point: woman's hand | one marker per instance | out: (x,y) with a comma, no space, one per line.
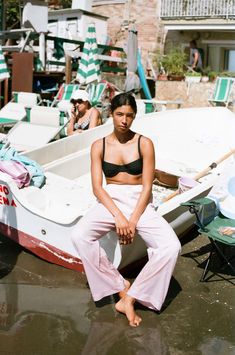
(132,227)
(78,131)
(123,229)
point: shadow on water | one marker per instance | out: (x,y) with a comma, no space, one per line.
(218,268)
(9,252)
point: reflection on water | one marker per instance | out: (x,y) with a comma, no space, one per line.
(48,310)
(116,337)
(216,346)
(41,320)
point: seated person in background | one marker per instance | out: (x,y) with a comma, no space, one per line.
(83,116)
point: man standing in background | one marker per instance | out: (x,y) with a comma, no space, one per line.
(195,56)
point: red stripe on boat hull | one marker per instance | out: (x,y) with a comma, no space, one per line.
(42,249)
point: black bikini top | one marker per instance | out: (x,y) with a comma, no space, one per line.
(133,168)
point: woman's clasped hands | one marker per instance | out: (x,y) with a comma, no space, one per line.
(125,229)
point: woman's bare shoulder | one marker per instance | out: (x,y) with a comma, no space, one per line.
(94,111)
(97,144)
(145,140)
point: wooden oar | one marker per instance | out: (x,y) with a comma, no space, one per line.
(204,172)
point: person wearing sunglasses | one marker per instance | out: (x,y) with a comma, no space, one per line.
(83,116)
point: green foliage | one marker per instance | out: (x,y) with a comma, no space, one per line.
(212,75)
(174,61)
(206,71)
(12,8)
(65,4)
(13,11)
(227,74)
(192,73)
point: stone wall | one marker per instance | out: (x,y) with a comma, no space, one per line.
(193,94)
(145,16)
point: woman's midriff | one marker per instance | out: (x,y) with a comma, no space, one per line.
(125,179)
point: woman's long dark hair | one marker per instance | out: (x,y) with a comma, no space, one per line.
(123,99)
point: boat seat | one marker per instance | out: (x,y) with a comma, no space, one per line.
(35,197)
(60,200)
(68,199)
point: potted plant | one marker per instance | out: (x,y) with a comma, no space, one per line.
(158,59)
(212,75)
(193,77)
(174,63)
(205,74)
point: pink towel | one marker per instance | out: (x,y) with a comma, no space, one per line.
(17,171)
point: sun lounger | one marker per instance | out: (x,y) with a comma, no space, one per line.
(18,108)
(27,99)
(43,127)
(11,113)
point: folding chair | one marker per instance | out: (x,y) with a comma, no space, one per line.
(210,222)
(96,93)
(62,99)
(221,95)
(101,95)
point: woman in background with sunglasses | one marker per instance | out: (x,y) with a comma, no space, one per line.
(83,116)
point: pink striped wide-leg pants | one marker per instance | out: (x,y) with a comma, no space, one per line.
(163,247)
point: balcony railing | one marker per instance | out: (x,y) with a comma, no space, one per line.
(182,9)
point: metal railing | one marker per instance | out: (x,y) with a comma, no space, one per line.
(180,9)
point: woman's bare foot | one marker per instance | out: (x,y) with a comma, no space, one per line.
(123,292)
(126,306)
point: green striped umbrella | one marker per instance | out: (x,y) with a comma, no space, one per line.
(89,66)
(4,74)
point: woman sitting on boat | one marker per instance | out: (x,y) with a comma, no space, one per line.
(83,116)
(127,160)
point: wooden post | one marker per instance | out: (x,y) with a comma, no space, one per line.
(6,91)
(42,49)
(68,69)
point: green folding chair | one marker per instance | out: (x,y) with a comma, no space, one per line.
(100,95)
(63,97)
(96,93)
(221,95)
(211,222)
